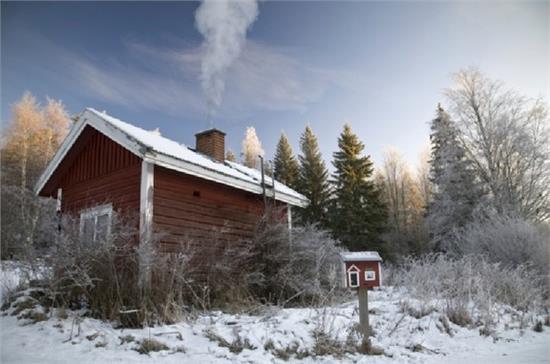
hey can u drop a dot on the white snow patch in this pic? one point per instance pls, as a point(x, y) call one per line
point(361, 256)
point(50, 341)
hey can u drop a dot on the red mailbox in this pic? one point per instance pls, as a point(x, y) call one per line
point(363, 269)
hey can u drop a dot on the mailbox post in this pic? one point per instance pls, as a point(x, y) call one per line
point(362, 271)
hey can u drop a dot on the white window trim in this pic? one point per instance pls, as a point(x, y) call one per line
point(146, 200)
point(373, 275)
point(94, 212)
point(350, 272)
point(289, 216)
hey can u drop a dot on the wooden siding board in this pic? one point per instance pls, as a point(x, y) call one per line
point(93, 177)
point(220, 213)
point(97, 170)
point(364, 266)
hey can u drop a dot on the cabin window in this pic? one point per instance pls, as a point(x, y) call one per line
point(95, 223)
point(370, 275)
point(353, 279)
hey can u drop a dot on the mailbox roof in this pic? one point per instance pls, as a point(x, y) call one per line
point(361, 256)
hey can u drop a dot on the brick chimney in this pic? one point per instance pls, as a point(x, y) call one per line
point(212, 143)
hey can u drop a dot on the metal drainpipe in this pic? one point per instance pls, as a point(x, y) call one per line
point(272, 180)
point(263, 179)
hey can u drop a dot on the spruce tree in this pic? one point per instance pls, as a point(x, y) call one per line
point(456, 192)
point(312, 181)
point(285, 165)
point(357, 213)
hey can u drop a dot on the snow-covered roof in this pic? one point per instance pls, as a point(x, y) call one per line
point(361, 256)
point(155, 148)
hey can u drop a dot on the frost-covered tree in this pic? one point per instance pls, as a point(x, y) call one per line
point(230, 156)
point(357, 213)
point(425, 184)
point(507, 137)
point(456, 193)
point(404, 197)
point(56, 124)
point(312, 180)
point(28, 144)
point(285, 164)
point(252, 148)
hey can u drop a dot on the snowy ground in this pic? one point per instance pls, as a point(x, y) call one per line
point(403, 338)
point(94, 341)
point(10, 274)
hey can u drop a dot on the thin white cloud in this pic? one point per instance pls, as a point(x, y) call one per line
point(262, 78)
point(136, 88)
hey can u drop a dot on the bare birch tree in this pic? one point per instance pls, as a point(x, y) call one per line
point(406, 204)
point(425, 186)
point(28, 144)
point(252, 148)
point(507, 136)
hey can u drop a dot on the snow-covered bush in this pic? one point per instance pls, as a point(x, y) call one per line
point(511, 241)
point(98, 275)
point(141, 283)
point(294, 266)
point(114, 279)
point(470, 285)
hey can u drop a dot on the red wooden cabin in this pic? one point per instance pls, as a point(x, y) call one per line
point(362, 269)
point(106, 165)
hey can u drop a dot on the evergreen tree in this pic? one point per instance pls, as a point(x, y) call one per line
point(357, 213)
point(456, 193)
point(285, 165)
point(312, 181)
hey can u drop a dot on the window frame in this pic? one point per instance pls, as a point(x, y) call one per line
point(373, 275)
point(357, 280)
point(94, 213)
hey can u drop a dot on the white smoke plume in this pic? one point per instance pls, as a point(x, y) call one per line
point(223, 24)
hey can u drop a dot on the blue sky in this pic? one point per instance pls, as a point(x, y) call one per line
point(379, 66)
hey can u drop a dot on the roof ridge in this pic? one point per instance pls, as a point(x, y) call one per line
point(166, 153)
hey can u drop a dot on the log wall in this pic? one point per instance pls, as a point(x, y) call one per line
point(190, 209)
point(96, 171)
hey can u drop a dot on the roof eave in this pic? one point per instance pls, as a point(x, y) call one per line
point(89, 117)
point(182, 166)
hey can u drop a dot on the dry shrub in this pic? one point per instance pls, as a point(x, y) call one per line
point(148, 345)
point(416, 312)
point(301, 266)
point(140, 284)
point(443, 325)
point(285, 353)
point(236, 346)
point(457, 312)
point(275, 266)
point(510, 241)
point(327, 344)
point(100, 276)
point(471, 284)
point(327, 337)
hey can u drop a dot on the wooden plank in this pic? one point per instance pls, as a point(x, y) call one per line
point(231, 215)
point(363, 295)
